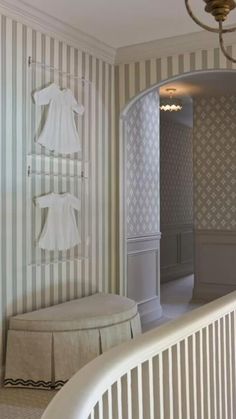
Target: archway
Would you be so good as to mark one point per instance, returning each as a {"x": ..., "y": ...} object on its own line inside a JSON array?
[{"x": 122, "y": 194}]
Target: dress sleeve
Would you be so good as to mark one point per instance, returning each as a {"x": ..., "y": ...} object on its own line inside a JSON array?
[
  {"x": 44, "y": 201},
  {"x": 43, "y": 97},
  {"x": 74, "y": 202},
  {"x": 76, "y": 107},
  {"x": 79, "y": 109}
]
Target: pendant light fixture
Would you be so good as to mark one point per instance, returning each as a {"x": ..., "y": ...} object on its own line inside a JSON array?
[
  {"x": 171, "y": 103},
  {"x": 219, "y": 9}
]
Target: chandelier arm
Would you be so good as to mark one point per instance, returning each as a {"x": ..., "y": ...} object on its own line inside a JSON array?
[
  {"x": 222, "y": 46},
  {"x": 206, "y": 27}
]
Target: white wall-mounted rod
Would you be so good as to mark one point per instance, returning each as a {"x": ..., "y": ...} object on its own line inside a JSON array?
[
  {"x": 63, "y": 73},
  {"x": 53, "y": 262},
  {"x": 30, "y": 173}
]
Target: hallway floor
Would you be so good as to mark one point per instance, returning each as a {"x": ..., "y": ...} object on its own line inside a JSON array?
[
  {"x": 175, "y": 300},
  {"x": 23, "y": 403}
]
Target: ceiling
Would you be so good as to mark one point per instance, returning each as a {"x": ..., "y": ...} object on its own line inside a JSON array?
[
  {"x": 203, "y": 84},
  {"x": 126, "y": 22},
  {"x": 195, "y": 85}
]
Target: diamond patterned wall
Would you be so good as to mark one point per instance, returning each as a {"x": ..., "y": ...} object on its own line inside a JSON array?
[
  {"x": 215, "y": 163},
  {"x": 142, "y": 170},
  {"x": 176, "y": 173}
]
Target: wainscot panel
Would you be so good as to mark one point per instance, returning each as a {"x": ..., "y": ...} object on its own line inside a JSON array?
[
  {"x": 144, "y": 272},
  {"x": 215, "y": 261},
  {"x": 176, "y": 252}
]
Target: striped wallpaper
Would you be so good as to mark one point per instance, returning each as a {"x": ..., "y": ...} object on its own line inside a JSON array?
[
  {"x": 31, "y": 278},
  {"x": 26, "y": 281},
  {"x": 135, "y": 77}
]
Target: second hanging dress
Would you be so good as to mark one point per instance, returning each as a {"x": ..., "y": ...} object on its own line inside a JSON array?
[{"x": 60, "y": 231}]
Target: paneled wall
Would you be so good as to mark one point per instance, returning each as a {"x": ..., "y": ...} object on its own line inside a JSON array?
[
  {"x": 176, "y": 199},
  {"x": 25, "y": 286},
  {"x": 136, "y": 77}
]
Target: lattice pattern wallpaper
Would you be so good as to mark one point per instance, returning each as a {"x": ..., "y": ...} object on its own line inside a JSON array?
[
  {"x": 215, "y": 163},
  {"x": 176, "y": 173},
  {"x": 142, "y": 148}
]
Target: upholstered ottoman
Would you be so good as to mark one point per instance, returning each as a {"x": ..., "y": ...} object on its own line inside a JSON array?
[{"x": 46, "y": 347}]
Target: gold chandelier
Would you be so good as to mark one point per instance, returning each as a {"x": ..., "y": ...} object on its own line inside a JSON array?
[
  {"x": 170, "y": 104},
  {"x": 219, "y": 10}
]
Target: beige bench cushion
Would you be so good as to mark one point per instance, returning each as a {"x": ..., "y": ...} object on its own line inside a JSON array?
[
  {"x": 98, "y": 310},
  {"x": 46, "y": 347}
]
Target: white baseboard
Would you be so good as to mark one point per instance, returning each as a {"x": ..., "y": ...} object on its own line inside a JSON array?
[
  {"x": 209, "y": 292},
  {"x": 150, "y": 310}
]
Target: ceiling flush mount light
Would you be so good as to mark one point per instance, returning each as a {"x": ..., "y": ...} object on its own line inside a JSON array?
[
  {"x": 219, "y": 9},
  {"x": 171, "y": 103}
]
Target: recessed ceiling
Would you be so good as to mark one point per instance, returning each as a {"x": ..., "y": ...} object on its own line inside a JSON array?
[
  {"x": 126, "y": 22},
  {"x": 203, "y": 84},
  {"x": 200, "y": 84}
]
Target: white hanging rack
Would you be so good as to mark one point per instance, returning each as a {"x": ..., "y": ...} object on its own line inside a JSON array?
[
  {"x": 55, "y": 261},
  {"x": 32, "y": 173},
  {"x": 63, "y": 73}
]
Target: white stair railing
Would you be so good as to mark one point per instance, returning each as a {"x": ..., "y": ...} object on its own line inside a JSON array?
[{"x": 185, "y": 369}]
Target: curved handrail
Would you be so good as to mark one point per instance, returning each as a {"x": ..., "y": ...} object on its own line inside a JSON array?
[{"x": 78, "y": 397}]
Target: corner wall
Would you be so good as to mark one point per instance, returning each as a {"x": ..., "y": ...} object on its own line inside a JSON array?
[{"x": 214, "y": 145}]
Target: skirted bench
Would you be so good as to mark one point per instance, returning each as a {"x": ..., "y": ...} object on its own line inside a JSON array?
[{"x": 46, "y": 347}]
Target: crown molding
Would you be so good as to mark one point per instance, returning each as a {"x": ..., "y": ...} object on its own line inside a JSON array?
[
  {"x": 41, "y": 21},
  {"x": 191, "y": 42}
]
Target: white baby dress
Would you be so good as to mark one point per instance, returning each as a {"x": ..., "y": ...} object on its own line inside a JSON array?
[
  {"x": 59, "y": 132},
  {"x": 60, "y": 231}
]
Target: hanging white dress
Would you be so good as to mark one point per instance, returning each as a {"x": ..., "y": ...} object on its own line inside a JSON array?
[
  {"x": 60, "y": 231},
  {"x": 59, "y": 132}
]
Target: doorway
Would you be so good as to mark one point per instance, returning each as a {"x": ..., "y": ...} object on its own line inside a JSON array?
[
  {"x": 176, "y": 189},
  {"x": 140, "y": 254}
]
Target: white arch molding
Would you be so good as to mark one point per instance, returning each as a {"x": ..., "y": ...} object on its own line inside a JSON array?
[{"x": 122, "y": 168}]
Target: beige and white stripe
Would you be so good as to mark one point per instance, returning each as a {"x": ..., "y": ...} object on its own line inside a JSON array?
[{"x": 26, "y": 282}]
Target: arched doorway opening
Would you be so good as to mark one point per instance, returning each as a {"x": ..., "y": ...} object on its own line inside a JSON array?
[{"x": 131, "y": 247}]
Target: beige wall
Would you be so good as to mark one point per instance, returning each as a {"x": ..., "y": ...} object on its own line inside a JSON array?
[
  {"x": 25, "y": 286},
  {"x": 214, "y": 140},
  {"x": 214, "y": 145}
]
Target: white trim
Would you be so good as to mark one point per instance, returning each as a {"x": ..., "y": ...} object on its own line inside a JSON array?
[
  {"x": 153, "y": 236},
  {"x": 150, "y": 310},
  {"x": 170, "y": 46},
  {"x": 41, "y": 21},
  {"x": 124, "y": 111}
]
